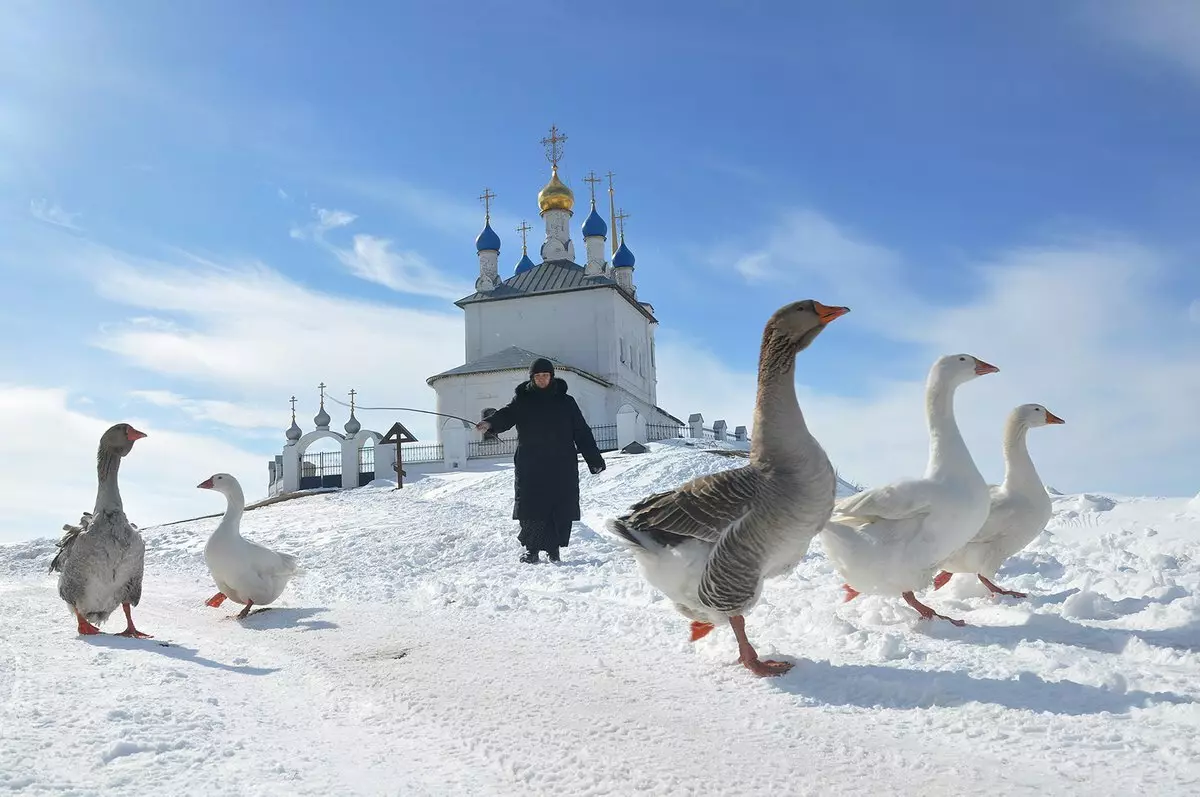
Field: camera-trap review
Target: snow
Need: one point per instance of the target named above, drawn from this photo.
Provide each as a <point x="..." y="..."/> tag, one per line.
<point x="416" y="656"/>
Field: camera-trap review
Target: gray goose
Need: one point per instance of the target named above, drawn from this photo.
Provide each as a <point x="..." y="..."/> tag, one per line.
<point x="100" y="561"/>
<point x="709" y="544"/>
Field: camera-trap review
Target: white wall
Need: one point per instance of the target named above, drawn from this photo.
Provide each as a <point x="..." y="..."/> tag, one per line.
<point x="554" y="325"/>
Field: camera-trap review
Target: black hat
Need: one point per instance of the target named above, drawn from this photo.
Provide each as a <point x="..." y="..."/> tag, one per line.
<point x="541" y="366"/>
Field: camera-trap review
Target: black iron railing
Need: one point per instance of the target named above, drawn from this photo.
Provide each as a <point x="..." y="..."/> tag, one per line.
<point x="492" y="447"/>
<point x="321" y="469"/>
<point x="606" y="436"/>
<point x="663" y="431"/>
<point x="422" y="452"/>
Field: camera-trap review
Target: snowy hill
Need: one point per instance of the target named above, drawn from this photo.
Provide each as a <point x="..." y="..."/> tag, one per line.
<point x="417" y="656"/>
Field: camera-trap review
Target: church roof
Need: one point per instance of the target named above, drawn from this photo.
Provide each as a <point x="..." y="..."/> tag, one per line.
<point x="510" y="359"/>
<point x="553" y="276"/>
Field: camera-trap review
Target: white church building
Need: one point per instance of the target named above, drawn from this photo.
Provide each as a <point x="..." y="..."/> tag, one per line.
<point x="539" y="310"/>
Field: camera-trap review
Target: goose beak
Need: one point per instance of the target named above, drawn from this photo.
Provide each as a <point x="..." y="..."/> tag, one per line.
<point x="205" y="485"/>
<point x="827" y="314"/>
<point x="1052" y="418"/>
<point x="982" y="368"/>
<point x="133" y="434"/>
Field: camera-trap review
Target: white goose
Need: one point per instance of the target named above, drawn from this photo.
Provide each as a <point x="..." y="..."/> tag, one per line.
<point x="1019" y="511"/>
<point x="245" y="571"/>
<point x="889" y="540"/>
<point x="709" y="544"/>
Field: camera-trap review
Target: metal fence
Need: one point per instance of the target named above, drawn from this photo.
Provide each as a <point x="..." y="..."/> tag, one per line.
<point x="606" y="437"/>
<point x="321" y="469"/>
<point x="422" y="452"/>
<point x="663" y="431"/>
<point x="492" y="447"/>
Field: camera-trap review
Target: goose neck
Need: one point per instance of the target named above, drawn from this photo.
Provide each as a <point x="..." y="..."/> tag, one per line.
<point x="1019" y="470"/>
<point x="108" y="493"/>
<point x="947" y="450"/>
<point x="779" y="425"/>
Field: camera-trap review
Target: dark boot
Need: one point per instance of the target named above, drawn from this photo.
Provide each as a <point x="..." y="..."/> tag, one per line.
<point x="552" y="554"/>
<point x="530" y="557"/>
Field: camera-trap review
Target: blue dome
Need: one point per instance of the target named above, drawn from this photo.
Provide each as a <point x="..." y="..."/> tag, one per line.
<point x="623" y="258"/>
<point x="524" y="265"/>
<point x="594" y="224"/>
<point x="487" y="240"/>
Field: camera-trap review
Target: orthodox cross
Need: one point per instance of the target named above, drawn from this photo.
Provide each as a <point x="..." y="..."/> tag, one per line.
<point x="621" y="216"/>
<point x="524" y="228"/>
<point x="486" y="197"/>
<point x="352" y="394"/>
<point x="553" y="145"/>
<point x="293" y="409"/>
<point x="612" y="214"/>
<point x="593" y="179"/>
<point x="322" y="388"/>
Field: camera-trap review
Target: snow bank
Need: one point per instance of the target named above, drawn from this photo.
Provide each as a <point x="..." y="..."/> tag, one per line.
<point x="417" y="656"/>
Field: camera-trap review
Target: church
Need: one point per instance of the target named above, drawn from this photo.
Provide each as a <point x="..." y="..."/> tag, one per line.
<point x="585" y="318"/>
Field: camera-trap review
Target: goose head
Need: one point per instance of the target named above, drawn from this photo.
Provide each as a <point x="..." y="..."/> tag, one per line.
<point x="797" y="325"/>
<point x="1031" y="415"/>
<point x="119" y="439"/>
<point x="221" y="482"/>
<point x="955" y="369"/>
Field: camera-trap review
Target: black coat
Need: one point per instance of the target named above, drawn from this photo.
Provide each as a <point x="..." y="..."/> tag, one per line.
<point x="550" y="428"/>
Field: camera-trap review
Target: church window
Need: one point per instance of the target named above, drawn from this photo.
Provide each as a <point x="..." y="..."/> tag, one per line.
<point x="622" y="349"/>
<point x="486" y="412"/>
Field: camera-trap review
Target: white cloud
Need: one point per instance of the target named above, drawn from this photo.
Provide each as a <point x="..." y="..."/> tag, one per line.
<point x="373" y="259"/>
<point x="1079" y="328"/>
<point x="50" y="476"/>
<point x="52" y="213"/>
<point x="439" y="211"/>
<point x="226" y="413"/>
<point x="1168" y="30"/>
<point x="809" y="251"/>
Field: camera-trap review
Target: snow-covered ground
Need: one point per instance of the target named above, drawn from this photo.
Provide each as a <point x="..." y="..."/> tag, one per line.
<point x="417" y="656"/>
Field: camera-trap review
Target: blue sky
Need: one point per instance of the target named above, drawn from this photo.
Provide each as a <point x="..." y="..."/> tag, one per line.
<point x="206" y="209"/>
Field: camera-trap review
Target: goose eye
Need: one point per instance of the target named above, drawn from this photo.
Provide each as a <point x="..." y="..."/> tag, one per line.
<point x="962" y="359"/>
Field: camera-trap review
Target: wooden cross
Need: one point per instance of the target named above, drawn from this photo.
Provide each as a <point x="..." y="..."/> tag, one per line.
<point x="553" y="145"/>
<point x="524" y="228"/>
<point x="593" y="179"/>
<point x="621" y="216"/>
<point x="352" y="394"/>
<point x="486" y="197"/>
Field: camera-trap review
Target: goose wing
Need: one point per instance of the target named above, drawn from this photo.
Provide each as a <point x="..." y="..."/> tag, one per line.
<point x="703" y="508"/>
<point x="899" y="501"/>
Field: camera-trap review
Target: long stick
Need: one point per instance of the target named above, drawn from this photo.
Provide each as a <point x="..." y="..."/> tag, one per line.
<point x="403" y="409"/>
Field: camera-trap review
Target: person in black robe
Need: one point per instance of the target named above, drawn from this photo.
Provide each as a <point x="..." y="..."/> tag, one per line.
<point x="550" y="430"/>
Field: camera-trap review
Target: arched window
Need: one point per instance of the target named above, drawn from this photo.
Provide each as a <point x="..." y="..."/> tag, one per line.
<point x="486" y="411"/>
<point x="622" y="349"/>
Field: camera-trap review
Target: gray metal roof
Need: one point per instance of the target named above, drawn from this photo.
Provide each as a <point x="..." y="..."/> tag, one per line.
<point x="511" y="359"/>
<point x="551" y="276"/>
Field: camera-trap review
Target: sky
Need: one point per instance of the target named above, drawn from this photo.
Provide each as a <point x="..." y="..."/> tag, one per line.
<point x="208" y="208"/>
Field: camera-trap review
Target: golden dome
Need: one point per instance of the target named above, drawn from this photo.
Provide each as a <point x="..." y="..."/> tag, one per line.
<point x="555" y="195"/>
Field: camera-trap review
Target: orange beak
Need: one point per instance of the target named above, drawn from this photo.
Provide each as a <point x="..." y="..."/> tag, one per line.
<point x="1052" y="418"/>
<point x="982" y="368"/>
<point x="205" y="485"/>
<point x="827" y="314"/>
<point x="134" y="434"/>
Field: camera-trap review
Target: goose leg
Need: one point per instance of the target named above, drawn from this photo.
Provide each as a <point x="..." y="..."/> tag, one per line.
<point x="997" y="591"/>
<point x="245" y="612"/>
<point x="749" y="657"/>
<point x="928" y="613"/>
<point x="943" y="578"/>
<point x="215" y="600"/>
<point x="130" y="631"/>
<point x="85" y="628"/>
